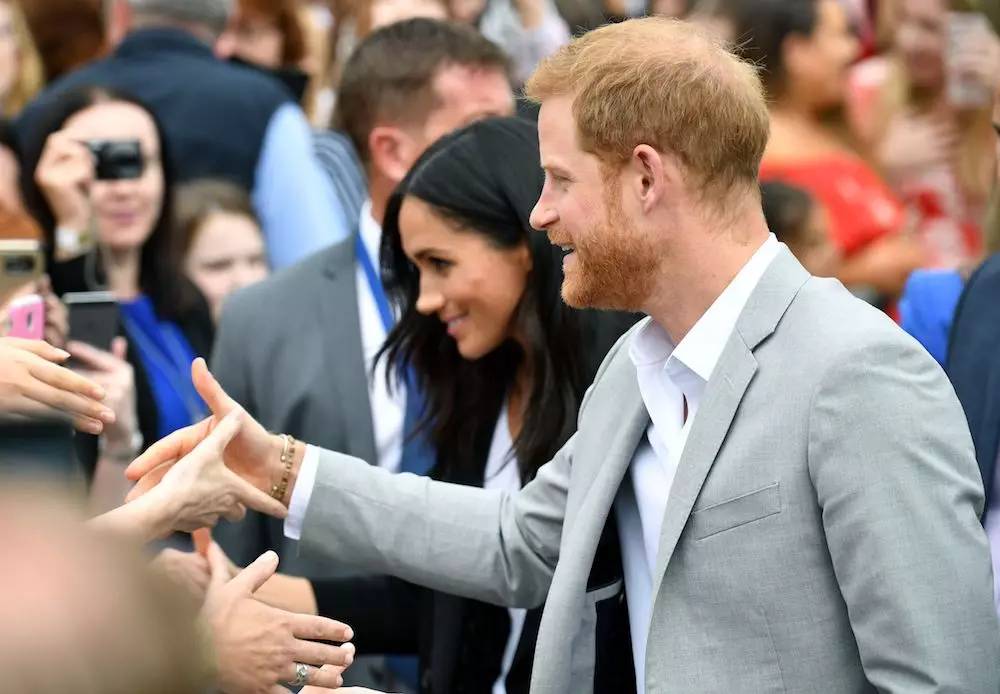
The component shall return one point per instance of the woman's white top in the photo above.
(502, 473)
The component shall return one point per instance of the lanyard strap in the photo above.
(375, 285)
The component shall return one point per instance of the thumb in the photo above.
(210, 390)
(257, 574)
(224, 432)
(119, 348)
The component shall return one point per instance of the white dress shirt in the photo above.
(388, 407)
(670, 379)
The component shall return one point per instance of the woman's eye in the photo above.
(439, 264)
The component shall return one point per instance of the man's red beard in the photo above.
(613, 266)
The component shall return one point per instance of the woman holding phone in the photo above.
(502, 365)
(99, 184)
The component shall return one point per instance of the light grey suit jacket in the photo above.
(289, 351)
(821, 534)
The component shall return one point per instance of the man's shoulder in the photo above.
(288, 287)
(828, 335)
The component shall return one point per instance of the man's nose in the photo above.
(542, 216)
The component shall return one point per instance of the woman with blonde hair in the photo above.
(924, 112)
(21, 75)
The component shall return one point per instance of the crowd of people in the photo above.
(579, 346)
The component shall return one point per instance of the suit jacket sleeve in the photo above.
(895, 476)
(477, 543)
(243, 542)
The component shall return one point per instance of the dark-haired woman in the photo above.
(502, 364)
(114, 235)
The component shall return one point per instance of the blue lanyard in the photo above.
(375, 284)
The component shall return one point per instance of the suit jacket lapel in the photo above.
(723, 395)
(341, 325)
(604, 444)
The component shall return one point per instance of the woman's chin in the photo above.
(126, 238)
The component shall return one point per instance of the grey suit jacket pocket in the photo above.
(733, 513)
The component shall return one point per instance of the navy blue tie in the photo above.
(418, 456)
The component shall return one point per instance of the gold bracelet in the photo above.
(287, 456)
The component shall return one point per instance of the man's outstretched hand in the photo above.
(253, 453)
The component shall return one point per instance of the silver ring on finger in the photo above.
(301, 674)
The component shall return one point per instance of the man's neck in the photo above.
(686, 289)
(379, 190)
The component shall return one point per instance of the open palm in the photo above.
(251, 454)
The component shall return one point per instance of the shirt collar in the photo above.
(371, 232)
(700, 349)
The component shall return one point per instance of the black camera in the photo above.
(116, 160)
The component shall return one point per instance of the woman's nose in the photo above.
(429, 302)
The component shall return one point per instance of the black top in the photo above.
(459, 642)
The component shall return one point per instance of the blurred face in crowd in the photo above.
(610, 262)
(127, 210)
(470, 284)
(817, 65)
(256, 40)
(227, 253)
(10, 62)
(385, 12)
(464, 95)
(920, 38)
(467, 11)
(667, 8)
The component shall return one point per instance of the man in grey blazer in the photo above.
(772, 488)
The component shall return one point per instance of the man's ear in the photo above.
(391, 152)
(650, 175)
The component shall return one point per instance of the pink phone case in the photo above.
(27, 318)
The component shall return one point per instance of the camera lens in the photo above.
(19, 264)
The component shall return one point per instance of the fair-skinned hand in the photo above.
(339, 690)
(199, 489)
(64, 174)
(110, 371)
(187, 570)
(33, 383)
(56, 314)
(253, 455)
(257, 646)
(917, 142)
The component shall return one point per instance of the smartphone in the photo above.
(26, 318)
(21, 262)
(116, 160)
(965, 28)
(93, 318)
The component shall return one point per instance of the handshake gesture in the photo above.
(245, 464)
(219, 468)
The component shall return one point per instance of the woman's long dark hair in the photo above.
(486, 178)
(160, 277)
